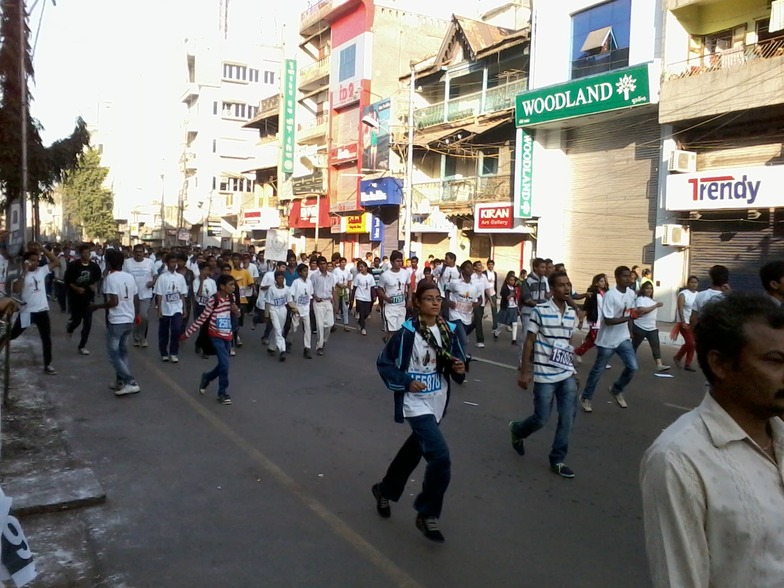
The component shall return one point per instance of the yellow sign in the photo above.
(357, 223)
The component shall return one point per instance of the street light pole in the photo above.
(409, 166)
(23, 90)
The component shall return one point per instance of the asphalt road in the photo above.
(275, 489)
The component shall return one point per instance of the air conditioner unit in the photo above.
(675, 236)
(683, 161)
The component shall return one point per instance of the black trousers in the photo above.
(80, 314)
(40, 320)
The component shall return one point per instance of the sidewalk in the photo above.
(50, 490)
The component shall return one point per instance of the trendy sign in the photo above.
(622, 88)
(727, 189)
(493, 216)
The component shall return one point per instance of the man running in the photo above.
(81, 278)
(141, 268)
(170, 294)
(302, 294)
(392, 288)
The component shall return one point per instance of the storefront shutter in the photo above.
(610, 220)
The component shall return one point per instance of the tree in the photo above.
(46, 165)
(86, 201)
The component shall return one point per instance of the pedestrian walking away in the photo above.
(417, 365)
(82, 277)
(170, 294)
(217, 313)
(122, 311)
(548, 362)
(713, 501)
(614, 337)
(30, 286)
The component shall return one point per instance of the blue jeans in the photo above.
(425, 441)
(117, 350)
(626, 352)
(564, 394)
(220, 371)
(169, 330)
(344, 309)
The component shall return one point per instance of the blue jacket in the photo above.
(392, 364)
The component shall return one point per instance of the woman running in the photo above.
(683, 313)
(593, 310)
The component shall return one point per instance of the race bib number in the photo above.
(562, 356)
(397, 299)
(202, 300)
(303, 300)
(173, 297)
(278, 302)
(464, 307)
(432, 381)
(223, 323)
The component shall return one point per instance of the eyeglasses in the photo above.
(431, 299)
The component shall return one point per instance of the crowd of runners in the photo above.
(428, 311)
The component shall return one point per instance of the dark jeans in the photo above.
(364, 309)
(60, 294)
(479, 313)
(80, 314)
(494, 311)
(40, 320)
(463, 331)
(639, 335)
(169, 330)
(425, 441)
(564, 395)
(220, 371)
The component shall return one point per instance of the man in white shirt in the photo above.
(713, 499)
(343, 279)
(141, 268)
(614, 337)
(448, 273)
(323, 306)
(492, 280)
(170, 290)
(480, 281)
(302, 295)
(392, 289)
(463, 298)
(720, 278)
(122, 304)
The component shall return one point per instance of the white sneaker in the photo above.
(174, 359)
(144, 343)
(164, 358)
(364, 332)
(608, 366)
(619, 399)
(586, 404)
(84, 351)
(232, 353)
(480, 345)
(128, 389)
(662, 368)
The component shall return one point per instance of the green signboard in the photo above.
(524, 161)
(287, 146)
(622, 88)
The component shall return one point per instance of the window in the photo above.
(214, 108)
(238, 110)
(214, 145)
(253, 75)
(234, 185)
(269, 77)
(348, 63)
(490, 162)
(237, 73)
(229, 200)
(600, 38)
(450, 166)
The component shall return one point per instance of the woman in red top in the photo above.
(219, 311)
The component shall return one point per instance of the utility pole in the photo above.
(23, 102)
(163, 210)
(409, 167)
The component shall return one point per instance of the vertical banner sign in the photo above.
(524, 162)
(289, 108)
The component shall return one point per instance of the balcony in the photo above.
(323, 10)
(312, 76)
(471, 105)
(191, 91)
(465, 191)
(269, 107)
(313, 132)
(730, 81)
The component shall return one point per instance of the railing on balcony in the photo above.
(314, 128)
(463, 190)
(729, 58)
(314, 13)
(315, 70)
(470, 105)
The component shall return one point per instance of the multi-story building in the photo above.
(228, 72)
(588, 163)
(721, 109)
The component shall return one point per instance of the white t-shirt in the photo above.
(209, 289)
(491, 279)
(301, 293)
(122, 285)
(447, 276)
(143, 273)
(342, 276)
(688, 304)
(394, 285)
(646, 322)
(702, 298)
(363, 283)
(172, 288)
(480, 280)
(463, 295)
(34, 291)
(254, 271)
(278, 297)
(616, 304)
(422, 367)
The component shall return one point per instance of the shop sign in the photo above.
(524, 163)
(337, 224)
(357, 224)
(183, 235)
(259, 219)
(376, 230)
(289, 108)
(349, 68)
(344, 153)
(375, 140)
(310, 183)
(214, 229)
(621, 88)
(727, 189)
(381, 192)
(493, 217)
(304, 213)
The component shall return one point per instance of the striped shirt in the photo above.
(219, 317)
(553, 352)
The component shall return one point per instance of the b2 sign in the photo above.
(727, 189)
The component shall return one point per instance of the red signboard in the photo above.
(303, 213)
(493, 216)
(344, 153)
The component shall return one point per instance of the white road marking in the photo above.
(495, 363)
(679, 407)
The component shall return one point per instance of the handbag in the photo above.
(203, 340)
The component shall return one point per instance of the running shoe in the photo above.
(203, 383)
(429, 528)
(84, 351)
(518, 443)
(174, 359)
(382, 504)
(562, 470)
(128, 389)
(586, 404)
(224, 399)
(49, 370)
